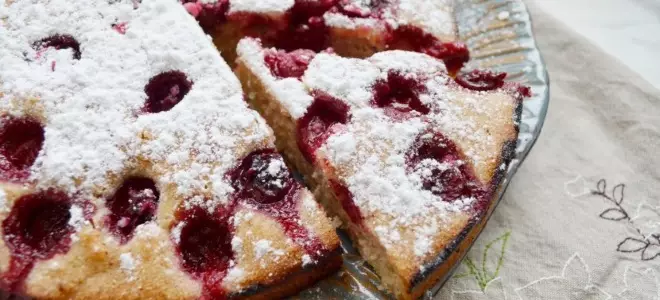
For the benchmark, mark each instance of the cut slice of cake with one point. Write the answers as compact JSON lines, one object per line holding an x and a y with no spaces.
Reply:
{"x":355,"y":28}
{"x":409,"y":158}
{"x":132,"y":168}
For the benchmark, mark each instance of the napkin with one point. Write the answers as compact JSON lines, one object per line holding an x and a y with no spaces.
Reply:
{"x":581,"y":218}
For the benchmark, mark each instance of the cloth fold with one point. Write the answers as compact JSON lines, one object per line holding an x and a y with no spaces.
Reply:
{"x":581,"y":219}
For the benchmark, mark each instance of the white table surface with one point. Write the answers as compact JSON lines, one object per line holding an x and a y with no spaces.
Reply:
{"x":626,"y":29}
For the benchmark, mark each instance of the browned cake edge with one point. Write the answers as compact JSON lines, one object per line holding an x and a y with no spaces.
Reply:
{"x":444,"y":264}
{"x":296,"y":281}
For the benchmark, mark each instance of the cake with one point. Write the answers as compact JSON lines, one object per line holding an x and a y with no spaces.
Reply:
{"x":132,"y":168}
{"x":355,"y":28}
{"x":408,"y":157}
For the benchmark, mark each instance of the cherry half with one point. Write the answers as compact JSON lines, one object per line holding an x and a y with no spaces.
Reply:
{"x":448,"y":174}
{"x":307,"y":29}
{"x":400,"y":93}
{"x":319,"y":122}
{"x":133,"y":204}
{"x":166,"y":90}
{"x":261,"y":177}
{"x":291,"y":64}
{"x":479,"y":80}
{"x":21,"y":140}
{"x":59,"y":42}
{"x":37,"y":228}
{"x":453,"y":54}
{"x":205,"y":247}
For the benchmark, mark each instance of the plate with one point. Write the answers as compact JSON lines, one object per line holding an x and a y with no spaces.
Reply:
{"x":499,"y":36}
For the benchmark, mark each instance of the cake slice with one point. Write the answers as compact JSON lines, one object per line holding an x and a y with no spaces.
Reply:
{"x":409,"y":158}
{"x":132,"y":168}
{"x":355,"y":28}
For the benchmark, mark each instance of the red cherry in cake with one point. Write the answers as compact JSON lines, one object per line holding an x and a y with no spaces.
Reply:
{"x":263,"y":182}
{"x":320,"y":121}
{"x":479,"y":80}
{"x":133,"y":204}
{"x":291,"y":64}
{"x":21,"y":140}
{"x":59,"y":42}
{"x":166,"y":90}
{"x":262,"y":177}
{"x":400,"y":93}
{"x":307,"y":29}
{"x":443,"y":167}
{"x":346,"y":199}
{"x":36,"y":228}
{"x":453,"y":54}
{"x":209,"y":14}
{"x":204,"y":247}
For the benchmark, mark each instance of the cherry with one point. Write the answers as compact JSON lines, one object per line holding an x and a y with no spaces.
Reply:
{"x":262,"y":181}
{"x":209,"y":14}
{"x":205,"y":247}
{"x":450,"y":176}
{"x":59,"y":42}
{"x":400,"y":92}
{"x":166,"y":90}
{"x":453,"y":54}
{"x":307,"y":29}
{"x":36,"y":228}
{"x":479,"y":80}
{"x":291,"y":64}
{"x":134,"y":203}
{"x":262,"y":177}
{"x":21,"y":140}
{"x":319,"y":122}
{"x":345,"y":197}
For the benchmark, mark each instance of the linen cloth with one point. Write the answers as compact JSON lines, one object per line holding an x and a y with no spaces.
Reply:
{"x":581,"y":218}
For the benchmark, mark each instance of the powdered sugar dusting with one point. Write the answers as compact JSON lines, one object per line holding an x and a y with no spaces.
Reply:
{"x":3,"y":201}
{"x":263,"y":247}
{"x":330,"y":73}
{"x":95,"y":129}
{"x":434,"y":16}
{"x":76,"y":220}
{"x":260,"y":6}
{"x":291,"y":89}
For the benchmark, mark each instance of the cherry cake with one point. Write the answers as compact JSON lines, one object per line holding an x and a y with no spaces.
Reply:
{"x":132,"y":168}
{"x":355,"y":28}
{"x":408,"y":157}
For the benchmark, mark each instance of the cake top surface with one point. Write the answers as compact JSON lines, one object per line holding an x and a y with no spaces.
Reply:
{"x":411,"y":145}
{"x":93,"y":107}
{"x":139,"y":138}
{"x":433,"y":16}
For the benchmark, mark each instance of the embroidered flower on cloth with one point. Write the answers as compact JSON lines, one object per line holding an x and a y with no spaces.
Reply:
{"x":647,"y":220}
{"x":574,"y":283}
{"x":640,"y":285}
{"x":493,"y":290}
